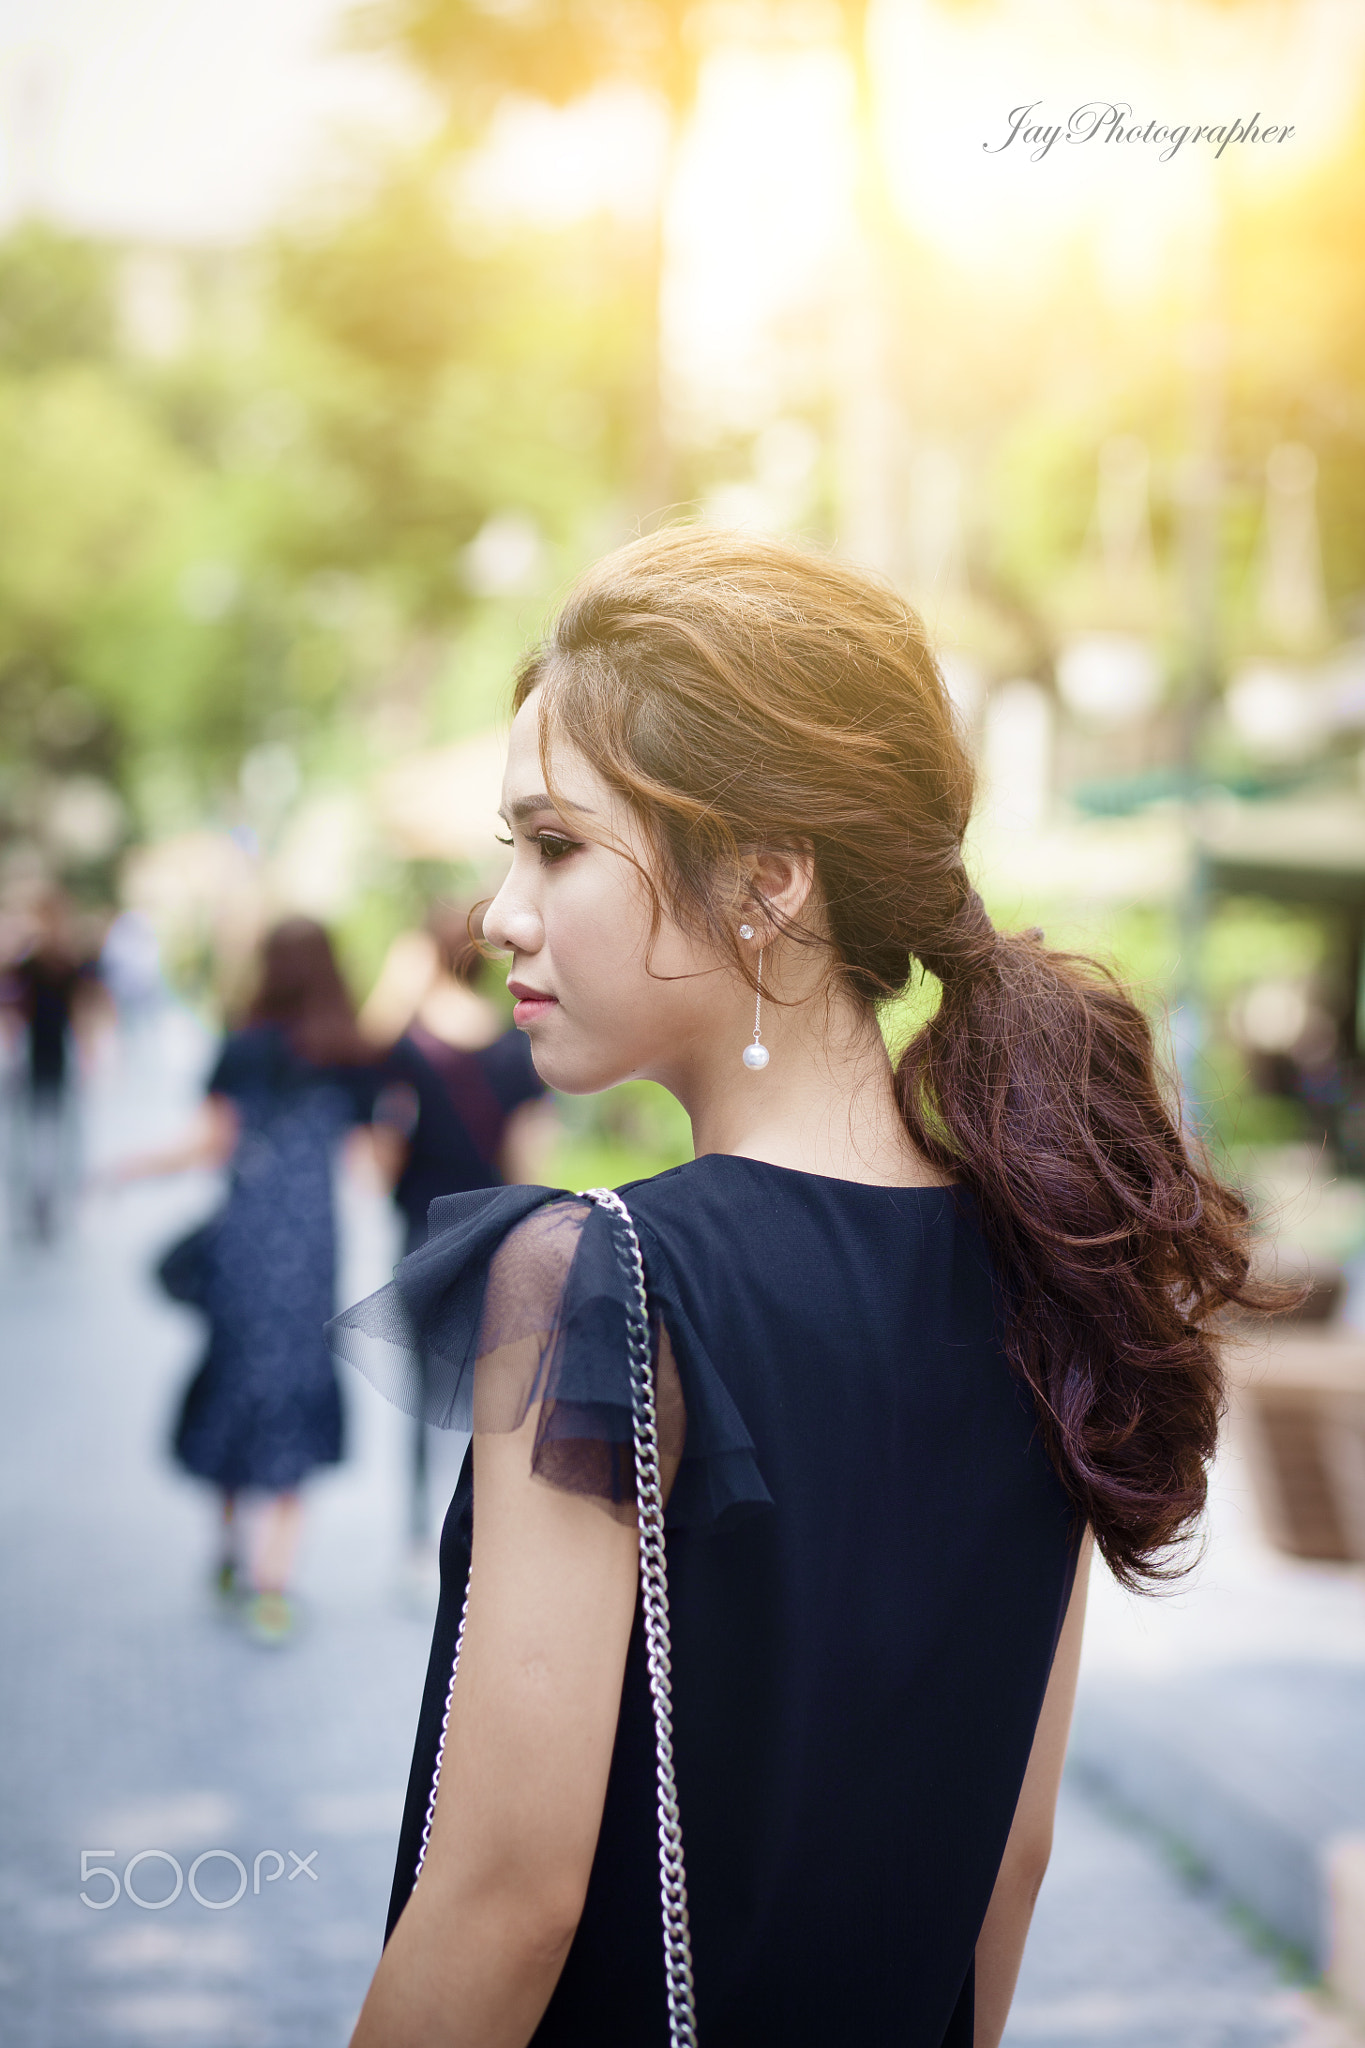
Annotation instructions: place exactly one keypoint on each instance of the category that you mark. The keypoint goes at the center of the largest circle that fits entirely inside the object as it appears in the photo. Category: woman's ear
(778, 883)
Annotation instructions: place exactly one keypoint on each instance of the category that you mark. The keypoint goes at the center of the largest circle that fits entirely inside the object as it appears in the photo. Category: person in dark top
(54, 991)
(459, 1121)
(925, 1334)
(461, 1105)
(264, 1409)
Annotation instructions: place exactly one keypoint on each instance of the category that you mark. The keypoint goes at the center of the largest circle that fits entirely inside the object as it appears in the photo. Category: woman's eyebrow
(527, 806)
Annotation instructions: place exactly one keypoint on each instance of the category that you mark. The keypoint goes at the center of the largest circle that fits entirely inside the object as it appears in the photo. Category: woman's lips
(530, 1004)
(529, 1008)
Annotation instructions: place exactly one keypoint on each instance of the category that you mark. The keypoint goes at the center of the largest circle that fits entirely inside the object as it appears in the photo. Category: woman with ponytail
(921, 1334)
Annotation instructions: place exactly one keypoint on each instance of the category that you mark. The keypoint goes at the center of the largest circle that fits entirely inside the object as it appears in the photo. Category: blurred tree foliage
(1296, 314)
(558, 50)
(247, 542)
(56, 299)
(262, 533)
(1028, 400)
(474, 56)
(444, 381)
(91, 492)
(555, 50)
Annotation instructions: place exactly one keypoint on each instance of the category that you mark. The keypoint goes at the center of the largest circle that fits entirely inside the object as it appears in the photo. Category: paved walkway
(134, 1718)
(1231, 1711)
(135, 1721)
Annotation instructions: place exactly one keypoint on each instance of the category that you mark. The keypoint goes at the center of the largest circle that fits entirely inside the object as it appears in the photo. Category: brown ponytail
(1036, 1082)
(742, 692)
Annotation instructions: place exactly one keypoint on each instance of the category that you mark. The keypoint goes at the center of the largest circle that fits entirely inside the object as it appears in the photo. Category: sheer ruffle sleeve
(518, 1300)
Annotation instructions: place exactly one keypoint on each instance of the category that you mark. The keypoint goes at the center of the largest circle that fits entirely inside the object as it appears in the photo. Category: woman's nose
(510, 922)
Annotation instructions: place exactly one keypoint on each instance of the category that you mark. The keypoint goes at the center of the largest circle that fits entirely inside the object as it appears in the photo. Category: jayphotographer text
(1112, 121)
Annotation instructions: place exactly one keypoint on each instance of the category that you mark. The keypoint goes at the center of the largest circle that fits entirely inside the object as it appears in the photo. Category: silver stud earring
(755, 1056)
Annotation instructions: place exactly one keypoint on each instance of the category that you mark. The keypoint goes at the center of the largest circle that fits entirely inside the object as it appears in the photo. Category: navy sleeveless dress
(264, 1409)
(869, 1558)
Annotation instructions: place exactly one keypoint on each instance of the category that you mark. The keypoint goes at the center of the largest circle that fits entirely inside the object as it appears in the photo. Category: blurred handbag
(185, 1271)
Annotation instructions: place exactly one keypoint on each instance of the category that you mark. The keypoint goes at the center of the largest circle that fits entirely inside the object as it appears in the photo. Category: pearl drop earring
(755, 1056)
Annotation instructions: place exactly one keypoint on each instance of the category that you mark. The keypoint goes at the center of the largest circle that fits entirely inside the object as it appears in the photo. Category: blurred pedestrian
(52, 989)
(462, 1105)
(263, 1410)
(130, 964)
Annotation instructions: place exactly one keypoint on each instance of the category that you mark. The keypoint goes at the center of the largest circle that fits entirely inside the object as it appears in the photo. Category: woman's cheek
(597, 929)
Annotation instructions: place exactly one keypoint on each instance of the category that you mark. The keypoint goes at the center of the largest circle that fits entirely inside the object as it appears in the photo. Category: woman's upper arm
(533, 1722)
(1033, 1816)
(478, 1949)
(221, 1125)
(1005, 1928)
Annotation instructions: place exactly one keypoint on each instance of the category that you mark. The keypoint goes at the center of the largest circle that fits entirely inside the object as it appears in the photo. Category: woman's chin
(574, 1071)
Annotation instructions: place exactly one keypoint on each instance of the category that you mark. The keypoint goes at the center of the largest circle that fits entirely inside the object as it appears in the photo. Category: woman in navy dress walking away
(264, 1409)
(920, 1336)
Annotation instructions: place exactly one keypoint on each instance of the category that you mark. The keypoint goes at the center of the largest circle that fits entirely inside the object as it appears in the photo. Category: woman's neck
(825, 1103)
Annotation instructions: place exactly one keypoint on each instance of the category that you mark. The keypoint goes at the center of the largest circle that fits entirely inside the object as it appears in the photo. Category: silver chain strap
(425, 1843)
(649, 1506)
(678, 1982)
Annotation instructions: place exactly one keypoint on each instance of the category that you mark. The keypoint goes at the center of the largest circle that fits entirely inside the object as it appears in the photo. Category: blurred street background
(333, 340)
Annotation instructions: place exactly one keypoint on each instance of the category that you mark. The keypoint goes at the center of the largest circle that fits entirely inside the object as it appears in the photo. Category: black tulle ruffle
(519, 1298)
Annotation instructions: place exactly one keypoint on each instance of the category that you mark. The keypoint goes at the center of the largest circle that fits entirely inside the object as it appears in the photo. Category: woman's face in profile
(598, 1002)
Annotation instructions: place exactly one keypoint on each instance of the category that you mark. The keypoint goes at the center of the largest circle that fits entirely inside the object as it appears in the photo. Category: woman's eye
(552, 847)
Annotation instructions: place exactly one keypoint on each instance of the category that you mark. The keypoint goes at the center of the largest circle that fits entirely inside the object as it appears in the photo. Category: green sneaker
(229, 1591)
(269, 1618)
